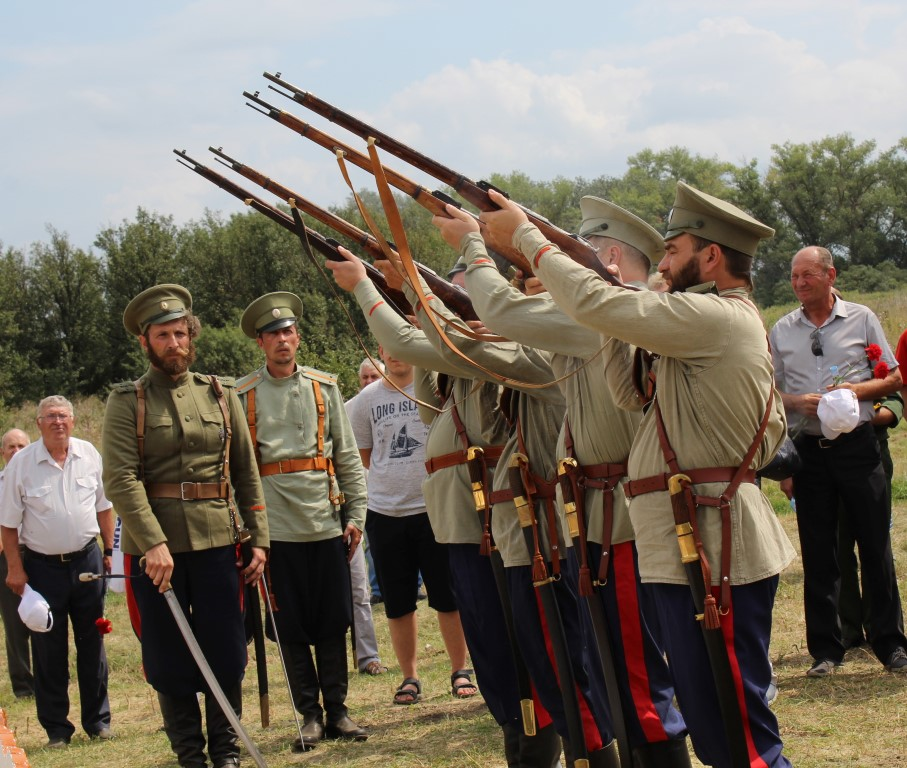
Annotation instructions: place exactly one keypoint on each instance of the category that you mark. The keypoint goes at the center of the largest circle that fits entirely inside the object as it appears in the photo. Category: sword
(195, 649)
(258, 635)
(102, 576)
(475, 463)
(545, 590)
(682, 503)
(269, 609)
(574, 505)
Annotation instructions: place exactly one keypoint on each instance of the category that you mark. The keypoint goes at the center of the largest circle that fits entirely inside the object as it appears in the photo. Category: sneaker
(105, 734)
(897, 662)
(822, 668)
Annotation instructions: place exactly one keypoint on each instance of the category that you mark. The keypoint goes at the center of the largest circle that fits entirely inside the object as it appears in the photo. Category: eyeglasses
(816, 345)
(56, 417)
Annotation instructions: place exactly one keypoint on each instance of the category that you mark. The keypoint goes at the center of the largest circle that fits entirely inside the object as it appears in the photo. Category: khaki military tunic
(184, 442)
(447, 492)
(602, 432)
(714, 378)
(540, 411)
(286, 419)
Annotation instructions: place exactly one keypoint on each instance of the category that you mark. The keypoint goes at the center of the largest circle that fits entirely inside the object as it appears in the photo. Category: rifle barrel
(452, 295)
(325, 247)
(475, 192)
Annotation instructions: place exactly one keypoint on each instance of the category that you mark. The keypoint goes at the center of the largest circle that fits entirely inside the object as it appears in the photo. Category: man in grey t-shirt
(391, 439)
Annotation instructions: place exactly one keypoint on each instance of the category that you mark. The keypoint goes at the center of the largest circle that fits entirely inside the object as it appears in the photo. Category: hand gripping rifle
(475, 192)
(325, 246)
(452, 295)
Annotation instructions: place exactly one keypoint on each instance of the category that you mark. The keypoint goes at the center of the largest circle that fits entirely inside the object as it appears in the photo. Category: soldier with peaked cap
(314, 486)
(715, 391)
(597, 435)
(179, 467)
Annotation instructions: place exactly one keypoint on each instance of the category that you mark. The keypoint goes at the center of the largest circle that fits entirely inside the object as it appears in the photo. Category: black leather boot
(333, 678)
(183, 726)
(672, 753)
(540, 751)
(606, 757)
(223, 744)
(312, 732)
(303, 680)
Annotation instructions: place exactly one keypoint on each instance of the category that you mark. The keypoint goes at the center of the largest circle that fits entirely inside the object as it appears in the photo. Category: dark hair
(739, 264)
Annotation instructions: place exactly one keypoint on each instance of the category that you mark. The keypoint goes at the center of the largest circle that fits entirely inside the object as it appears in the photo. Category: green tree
(19, 374)
(137, 255)
(70, 343)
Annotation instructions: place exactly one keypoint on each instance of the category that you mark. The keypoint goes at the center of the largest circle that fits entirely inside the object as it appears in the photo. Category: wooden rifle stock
(452, 295)
(325, 246)
(475, 192)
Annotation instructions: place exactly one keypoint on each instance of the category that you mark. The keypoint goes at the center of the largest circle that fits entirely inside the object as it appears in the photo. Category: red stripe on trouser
(542, 715)
(590, 727)
(727, 631)
(631, 637)
(135, 618)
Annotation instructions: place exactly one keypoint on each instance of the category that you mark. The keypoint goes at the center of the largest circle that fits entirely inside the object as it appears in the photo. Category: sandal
(409, 692)
(373, 668)
(462, 690)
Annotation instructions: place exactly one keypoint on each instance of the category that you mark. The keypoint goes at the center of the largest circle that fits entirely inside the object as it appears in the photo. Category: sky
(94, 96)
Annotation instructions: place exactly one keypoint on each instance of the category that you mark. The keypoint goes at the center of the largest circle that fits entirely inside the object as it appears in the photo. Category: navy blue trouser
(207, 585)
(646, 689)
(482, 617)
(535, 645)
(747, 629)
(81, 603)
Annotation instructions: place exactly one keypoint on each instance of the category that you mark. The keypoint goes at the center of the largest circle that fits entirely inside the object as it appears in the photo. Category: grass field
(856, 718)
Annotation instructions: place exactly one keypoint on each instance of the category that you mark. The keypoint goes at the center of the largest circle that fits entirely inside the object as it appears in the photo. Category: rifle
(475, 192)
(452, 295)
(434, 202)
(327, 247)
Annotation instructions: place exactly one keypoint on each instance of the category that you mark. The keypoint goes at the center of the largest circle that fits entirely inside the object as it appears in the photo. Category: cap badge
(164, 305)
(275, 312)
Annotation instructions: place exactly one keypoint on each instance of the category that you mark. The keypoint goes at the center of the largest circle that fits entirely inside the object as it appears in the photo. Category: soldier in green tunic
(314, 485)
(179, 468)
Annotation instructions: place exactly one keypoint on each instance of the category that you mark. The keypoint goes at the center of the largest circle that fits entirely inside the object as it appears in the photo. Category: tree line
(61, 307)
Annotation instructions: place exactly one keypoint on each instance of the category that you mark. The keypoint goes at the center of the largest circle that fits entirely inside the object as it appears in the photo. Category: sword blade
(196, 651)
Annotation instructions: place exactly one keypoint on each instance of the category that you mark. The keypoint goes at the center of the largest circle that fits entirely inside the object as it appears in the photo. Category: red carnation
(881, 370)
(104, 626)
(874, 352)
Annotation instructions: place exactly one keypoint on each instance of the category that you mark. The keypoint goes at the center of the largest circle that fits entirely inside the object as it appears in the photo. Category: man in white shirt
(53, 505)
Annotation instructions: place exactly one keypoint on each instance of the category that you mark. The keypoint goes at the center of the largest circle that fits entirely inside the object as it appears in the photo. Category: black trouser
(18, 654)
(82, 603)
(846, 470)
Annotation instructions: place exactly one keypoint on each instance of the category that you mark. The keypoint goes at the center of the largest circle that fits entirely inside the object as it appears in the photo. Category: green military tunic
(299, 506)
(447, 492)
(539, 409)
(602, 432)
(184, 442)
(714, 378)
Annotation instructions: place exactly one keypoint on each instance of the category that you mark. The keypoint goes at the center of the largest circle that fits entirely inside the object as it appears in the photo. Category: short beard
(688, 276)
(173, 366)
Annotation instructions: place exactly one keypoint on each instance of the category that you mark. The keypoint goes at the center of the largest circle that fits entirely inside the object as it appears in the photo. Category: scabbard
(475, 462)
(253, 609)
(544, 587)
(573, 508)
(683, 505)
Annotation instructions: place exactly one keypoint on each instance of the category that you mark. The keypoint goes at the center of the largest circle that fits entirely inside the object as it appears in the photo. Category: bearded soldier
(174, 443)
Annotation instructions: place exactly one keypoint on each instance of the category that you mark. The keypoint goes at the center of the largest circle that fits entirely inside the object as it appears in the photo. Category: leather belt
(492, 454)
(655, 483)
(288, 466)
(188, 491)
(66, 556)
